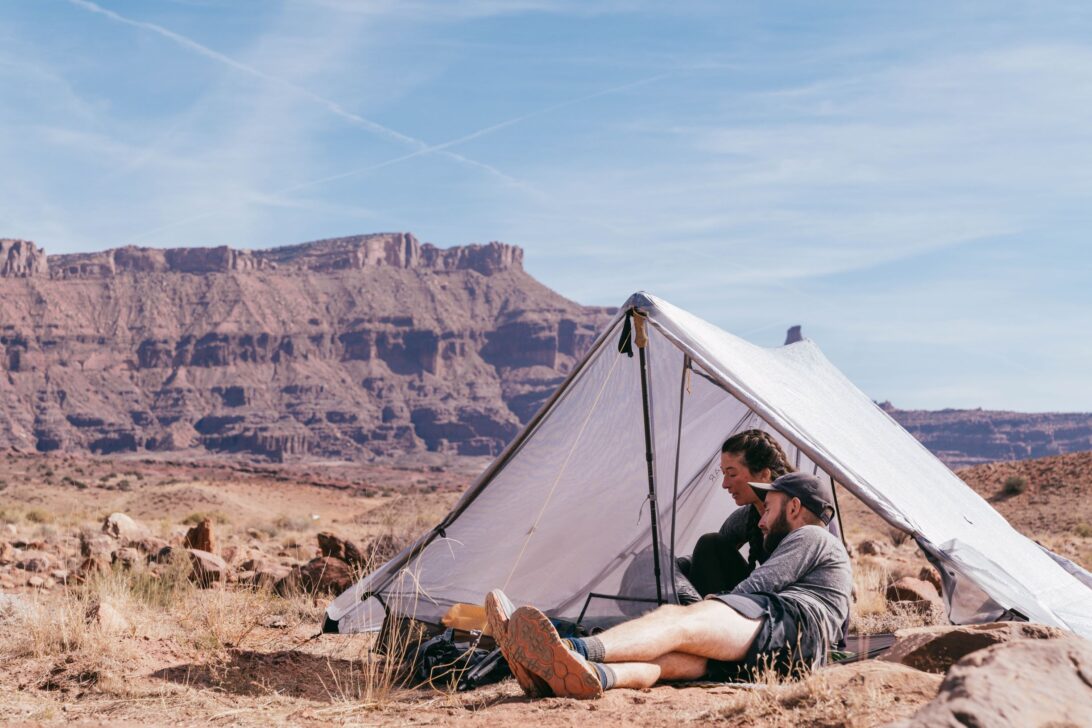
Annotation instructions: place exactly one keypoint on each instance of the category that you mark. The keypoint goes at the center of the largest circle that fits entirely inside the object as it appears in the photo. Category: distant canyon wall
(348, 348)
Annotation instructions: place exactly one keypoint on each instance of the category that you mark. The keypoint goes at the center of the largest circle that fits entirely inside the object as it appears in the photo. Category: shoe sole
(535, 644)
(498, 610)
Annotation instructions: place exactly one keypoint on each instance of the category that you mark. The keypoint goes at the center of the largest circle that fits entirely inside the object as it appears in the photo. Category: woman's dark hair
(759, 451)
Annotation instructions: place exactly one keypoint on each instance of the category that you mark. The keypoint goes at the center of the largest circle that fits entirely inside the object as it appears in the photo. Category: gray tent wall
(565, 511)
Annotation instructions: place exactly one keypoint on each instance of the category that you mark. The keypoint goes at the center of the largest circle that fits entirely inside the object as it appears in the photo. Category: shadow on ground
(289, 672)
(296, 674)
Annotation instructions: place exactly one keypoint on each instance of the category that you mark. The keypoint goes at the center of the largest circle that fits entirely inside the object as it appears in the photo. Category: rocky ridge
(963, 438)
(345, 348)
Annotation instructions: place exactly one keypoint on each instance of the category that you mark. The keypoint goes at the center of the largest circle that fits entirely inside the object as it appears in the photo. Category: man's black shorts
(787, 642)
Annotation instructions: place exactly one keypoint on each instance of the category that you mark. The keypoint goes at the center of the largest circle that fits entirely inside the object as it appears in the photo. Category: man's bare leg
(708, 629)
(672, 666)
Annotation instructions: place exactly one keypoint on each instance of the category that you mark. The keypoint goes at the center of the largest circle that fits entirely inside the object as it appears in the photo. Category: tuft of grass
(37, 515)
(1083, 530)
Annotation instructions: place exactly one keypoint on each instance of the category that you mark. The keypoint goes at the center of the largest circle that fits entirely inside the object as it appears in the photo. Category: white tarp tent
(618, 473)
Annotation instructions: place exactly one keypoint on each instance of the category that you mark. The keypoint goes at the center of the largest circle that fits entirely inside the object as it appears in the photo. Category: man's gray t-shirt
(809, 568)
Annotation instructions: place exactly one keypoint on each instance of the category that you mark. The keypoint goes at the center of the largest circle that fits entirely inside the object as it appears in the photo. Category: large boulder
(200, 537)
(124, 528)
(1023, 683)
(935, 649)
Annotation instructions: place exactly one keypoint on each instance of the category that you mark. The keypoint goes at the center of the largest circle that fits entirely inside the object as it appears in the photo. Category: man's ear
(796, 506)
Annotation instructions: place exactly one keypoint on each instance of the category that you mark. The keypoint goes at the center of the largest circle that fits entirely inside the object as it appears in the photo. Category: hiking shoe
(535, 644)
(498, 610)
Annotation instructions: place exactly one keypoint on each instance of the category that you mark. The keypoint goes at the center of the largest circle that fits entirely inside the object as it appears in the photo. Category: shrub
(37, 515)
(1083, 530)
(1014, 485)
(197, 516)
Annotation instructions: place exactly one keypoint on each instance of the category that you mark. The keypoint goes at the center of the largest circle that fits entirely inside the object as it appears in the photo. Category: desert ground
(120, 626)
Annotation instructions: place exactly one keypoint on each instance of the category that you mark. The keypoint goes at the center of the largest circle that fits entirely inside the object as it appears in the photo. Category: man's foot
(535, 644)
(498, 610)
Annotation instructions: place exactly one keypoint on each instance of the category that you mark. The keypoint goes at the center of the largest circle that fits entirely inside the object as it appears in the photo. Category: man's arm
(793, 557)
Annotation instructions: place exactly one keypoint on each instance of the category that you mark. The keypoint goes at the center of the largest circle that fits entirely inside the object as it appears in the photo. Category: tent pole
(675, 490)
(837, 509)
(653, 508)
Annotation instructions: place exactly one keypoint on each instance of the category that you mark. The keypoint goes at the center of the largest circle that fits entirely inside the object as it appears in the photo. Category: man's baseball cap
(814, 494)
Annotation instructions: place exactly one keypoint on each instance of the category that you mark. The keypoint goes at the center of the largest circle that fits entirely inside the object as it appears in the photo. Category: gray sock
(595, 650)
(590, 648)
(607, 677)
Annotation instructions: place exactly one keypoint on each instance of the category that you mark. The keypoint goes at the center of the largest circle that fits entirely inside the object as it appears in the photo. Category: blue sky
(909, 181)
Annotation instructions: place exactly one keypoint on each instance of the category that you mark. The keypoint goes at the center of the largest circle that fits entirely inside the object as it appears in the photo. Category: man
(784, 616)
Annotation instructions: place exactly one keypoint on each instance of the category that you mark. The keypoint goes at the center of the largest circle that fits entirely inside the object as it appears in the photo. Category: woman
(717, 566)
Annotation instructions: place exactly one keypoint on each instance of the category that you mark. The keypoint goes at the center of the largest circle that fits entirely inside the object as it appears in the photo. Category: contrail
(331, 106)
(474, 134)
(436, 148)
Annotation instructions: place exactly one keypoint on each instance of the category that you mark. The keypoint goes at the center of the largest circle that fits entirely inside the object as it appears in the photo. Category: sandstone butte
(347, 348)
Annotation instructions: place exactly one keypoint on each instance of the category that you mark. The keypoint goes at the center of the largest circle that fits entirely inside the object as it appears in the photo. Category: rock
(162, 556)
(326, 575)
(7, 553)
(96, 544)
(1022, 683)
(207, 568)
(60, 575)
(200, 537)
(128, 558)
(37, 582)
(22, 259)
(270, 575)
(34, 560)
(124, 528)
(339, 548)
(929, 574)
(106, 617)
(935, 649)
(151, 545)
(90, 567)
(383, 548)
(870, 547)
(289, 584)
(11, 530)
(909, 589)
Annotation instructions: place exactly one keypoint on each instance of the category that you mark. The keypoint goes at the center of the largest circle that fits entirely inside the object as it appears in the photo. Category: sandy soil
(232, 655)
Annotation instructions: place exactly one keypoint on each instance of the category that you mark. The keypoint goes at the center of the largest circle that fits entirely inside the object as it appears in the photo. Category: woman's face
(736, 477)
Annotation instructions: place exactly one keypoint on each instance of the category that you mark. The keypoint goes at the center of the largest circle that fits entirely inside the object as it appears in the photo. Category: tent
(583, 512)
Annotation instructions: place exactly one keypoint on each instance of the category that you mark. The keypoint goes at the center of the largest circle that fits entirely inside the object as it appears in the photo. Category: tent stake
(642, 343)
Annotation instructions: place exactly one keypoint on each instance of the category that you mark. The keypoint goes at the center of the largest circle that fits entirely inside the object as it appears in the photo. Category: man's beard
(777, 531)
